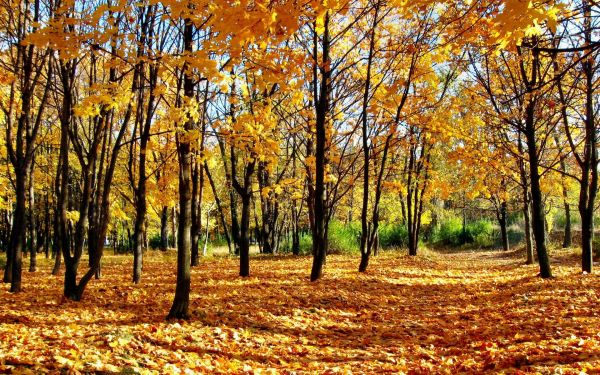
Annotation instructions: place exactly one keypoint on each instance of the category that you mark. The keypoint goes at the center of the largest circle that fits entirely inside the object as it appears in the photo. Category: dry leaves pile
(447, 314)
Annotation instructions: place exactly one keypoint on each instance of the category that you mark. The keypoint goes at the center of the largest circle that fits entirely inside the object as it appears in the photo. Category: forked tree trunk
(537, 203)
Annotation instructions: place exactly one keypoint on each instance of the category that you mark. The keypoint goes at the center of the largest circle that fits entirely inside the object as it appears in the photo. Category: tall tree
(179, 309)
(24, 117)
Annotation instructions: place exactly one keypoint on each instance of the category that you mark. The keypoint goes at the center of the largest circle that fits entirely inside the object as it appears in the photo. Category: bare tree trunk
(322, 113)
(589, 164)
(179, 309)
(502, 220)
(164, 228)
(33, 243)
(196, 214)
(219, 207)
(365, 235)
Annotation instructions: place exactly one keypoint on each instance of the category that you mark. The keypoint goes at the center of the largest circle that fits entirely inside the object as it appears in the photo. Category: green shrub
(452, 233)
(449, 233)
(393, 236)
(218, 240)
(480, 233)
(344, 238)
(515, 236)
(305, 244)
(154, 241)
(560, 219)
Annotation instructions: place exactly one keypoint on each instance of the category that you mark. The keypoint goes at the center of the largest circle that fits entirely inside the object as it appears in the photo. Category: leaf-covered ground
(477, 312)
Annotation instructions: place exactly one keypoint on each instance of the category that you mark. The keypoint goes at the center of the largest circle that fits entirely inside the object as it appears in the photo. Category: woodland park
(299, 187)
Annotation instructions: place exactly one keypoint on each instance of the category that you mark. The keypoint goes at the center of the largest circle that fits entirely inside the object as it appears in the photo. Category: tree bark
(196, 214)
(537, 203)
(322, 113)
(144, 122)
(244, 236)
(503, 226)
(33, 240)
(179, 308)
(245, 192)
(365, 249)
(19, 228)
(164, 228)
(568, 236)
(589, 165)
(219, 207)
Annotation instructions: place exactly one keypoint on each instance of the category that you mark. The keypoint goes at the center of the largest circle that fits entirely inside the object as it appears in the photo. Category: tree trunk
(144, 119)
(364, 262)
(295, 239)
(537, 203)
(19, 228)
(164, 228)
(233, 207)
(529, 131)
(568, 236)
(526, 207)
(322, 113)
(219, 207)
(9, 257)
(174, 230)
(416, 185)
(589, 164)
(140, 217)
(205, 247)
(56, 245)
(179, 309)
(503, 229)
(245, 235)
(365, 235)
(245, 192)
(70, 284)
(33, 243)
(196, 214)
(47, 220)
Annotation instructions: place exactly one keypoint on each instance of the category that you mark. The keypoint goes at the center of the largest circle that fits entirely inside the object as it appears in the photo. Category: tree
(24, 115)
(179, 309)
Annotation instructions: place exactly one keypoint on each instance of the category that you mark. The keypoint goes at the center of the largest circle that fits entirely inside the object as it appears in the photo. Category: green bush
(218, 240)
(305, 244)
(449, 233)
(393, 236)
(515, 236)
(560, 219)
(154, 241)
(452, 233)
(480, 233)
(344, 238)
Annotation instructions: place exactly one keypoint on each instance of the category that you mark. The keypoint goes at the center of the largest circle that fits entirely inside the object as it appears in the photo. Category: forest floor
(467, 312)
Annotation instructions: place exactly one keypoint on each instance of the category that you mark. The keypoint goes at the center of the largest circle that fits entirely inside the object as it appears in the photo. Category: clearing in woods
(470, 312)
